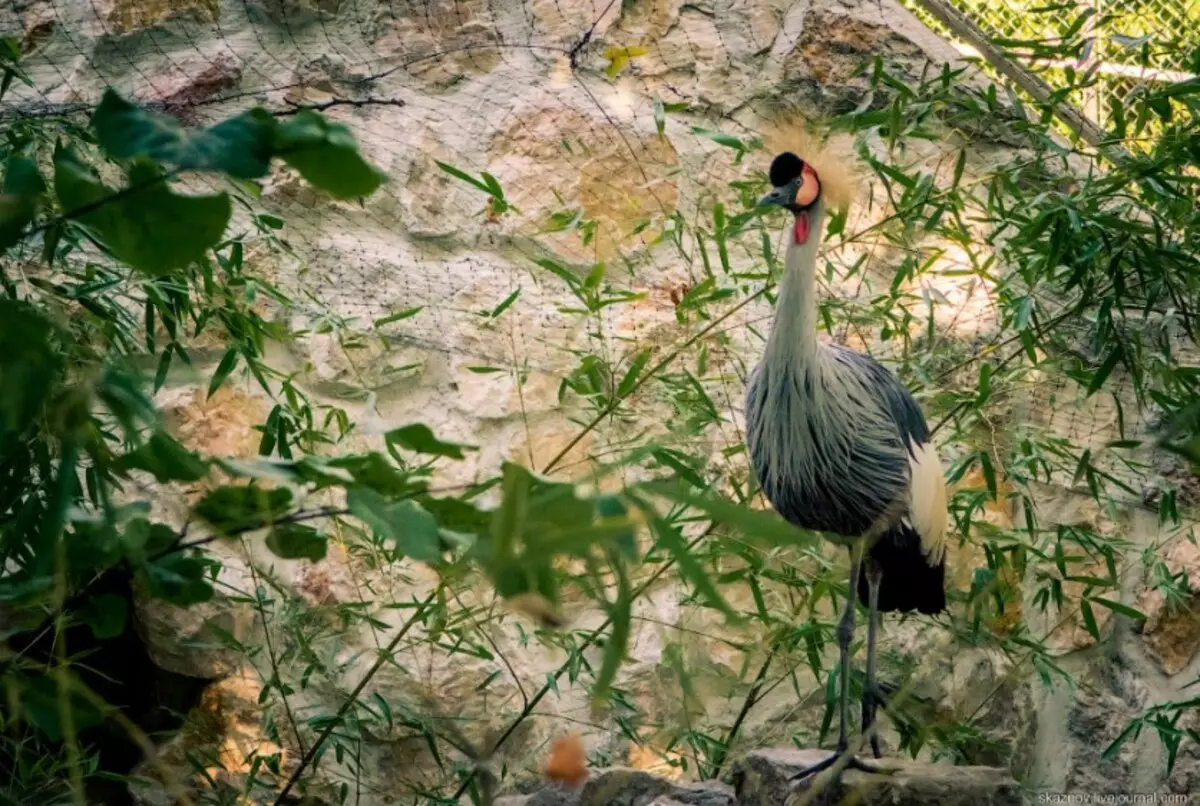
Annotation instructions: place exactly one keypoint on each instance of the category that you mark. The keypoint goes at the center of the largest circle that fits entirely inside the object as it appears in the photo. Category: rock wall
(517, 89)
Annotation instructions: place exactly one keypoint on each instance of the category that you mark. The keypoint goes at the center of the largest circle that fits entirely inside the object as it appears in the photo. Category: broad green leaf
(20, 196)
(147, 226)
(375, 471)
(296, 541)
(670, 459)
(419, 438)
(41, 702)
(233, 510)
(405, 523)
(610, 506)
(508, 522)
(105, 614)
(618, 638)
(29, 364)
(633, 373)
(179, 579)
(326, 154)
(727, 140)
(166, 459)
(1101, 375)
(240, 146)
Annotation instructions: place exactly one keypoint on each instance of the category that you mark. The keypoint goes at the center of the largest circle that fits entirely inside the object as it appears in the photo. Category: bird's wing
(927, 501)
(927, 482)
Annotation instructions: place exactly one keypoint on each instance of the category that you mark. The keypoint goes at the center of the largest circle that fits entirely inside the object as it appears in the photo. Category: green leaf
(1132, 731)
(631, 375)
(398, 316)
(1117, 607)
(406, 523)
(228, 362)
(618, 57)
(233, 510)
(673, 461)
(166, 459)
(621, 614)
(105, 614)
(41, 703)
(727, 140)
(1089, 618)
(1105, 370)
(505, 304)
(295, 541)
(508, 522)
(688, 567)
(240, 147)
(29, 364)
(466, 177)
(754, 523)
(326, 154)
(419, 438)
(179, 579)
(610, 506)
(148, 226)
(19, 198)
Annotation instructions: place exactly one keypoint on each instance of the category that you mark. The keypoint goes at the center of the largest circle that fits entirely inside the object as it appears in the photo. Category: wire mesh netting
(515, 90)
(618, 134)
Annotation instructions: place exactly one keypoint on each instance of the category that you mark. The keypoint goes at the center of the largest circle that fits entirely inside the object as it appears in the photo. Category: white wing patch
(927, 501)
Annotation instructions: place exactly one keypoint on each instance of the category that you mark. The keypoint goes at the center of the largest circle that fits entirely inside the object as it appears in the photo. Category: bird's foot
(872, 698)
(851, 763)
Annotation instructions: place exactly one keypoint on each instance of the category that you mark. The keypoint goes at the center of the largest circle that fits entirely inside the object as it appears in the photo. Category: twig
(294, 107)
(384, 655)
(750, 702)
(553, 680)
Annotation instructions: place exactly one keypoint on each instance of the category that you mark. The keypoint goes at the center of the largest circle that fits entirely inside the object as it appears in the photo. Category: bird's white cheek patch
(800, 230)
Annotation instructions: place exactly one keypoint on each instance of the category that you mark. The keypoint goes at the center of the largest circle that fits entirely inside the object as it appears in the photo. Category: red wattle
(800, 231)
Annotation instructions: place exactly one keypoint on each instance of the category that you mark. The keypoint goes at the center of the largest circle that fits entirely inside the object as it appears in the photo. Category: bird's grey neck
(793, 339)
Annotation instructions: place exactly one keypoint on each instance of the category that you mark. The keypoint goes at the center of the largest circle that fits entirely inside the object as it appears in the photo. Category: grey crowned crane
(840, 447)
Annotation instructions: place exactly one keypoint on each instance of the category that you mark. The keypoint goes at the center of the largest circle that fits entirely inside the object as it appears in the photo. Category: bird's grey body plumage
(843, 465)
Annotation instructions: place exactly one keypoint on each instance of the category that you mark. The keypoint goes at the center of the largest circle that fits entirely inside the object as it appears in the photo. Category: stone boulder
(761, 779)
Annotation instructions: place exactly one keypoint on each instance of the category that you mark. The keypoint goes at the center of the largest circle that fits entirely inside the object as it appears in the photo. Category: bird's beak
(781, 196)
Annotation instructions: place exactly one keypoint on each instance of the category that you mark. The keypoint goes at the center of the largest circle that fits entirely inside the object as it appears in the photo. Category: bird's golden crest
(839, 181)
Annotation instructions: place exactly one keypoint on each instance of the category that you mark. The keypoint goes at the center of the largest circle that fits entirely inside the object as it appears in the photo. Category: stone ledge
(761, 779)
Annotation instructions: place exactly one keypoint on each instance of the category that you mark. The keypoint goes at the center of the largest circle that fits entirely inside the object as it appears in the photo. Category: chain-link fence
(1111, 47)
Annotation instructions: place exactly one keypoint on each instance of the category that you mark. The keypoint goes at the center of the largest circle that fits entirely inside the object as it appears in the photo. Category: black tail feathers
(909, 582)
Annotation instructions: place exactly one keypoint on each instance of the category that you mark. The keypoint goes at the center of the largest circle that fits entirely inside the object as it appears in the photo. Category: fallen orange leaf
(567, 762)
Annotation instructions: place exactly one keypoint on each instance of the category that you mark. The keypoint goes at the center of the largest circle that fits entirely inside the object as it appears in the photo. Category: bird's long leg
(845, 635)
(870, 699)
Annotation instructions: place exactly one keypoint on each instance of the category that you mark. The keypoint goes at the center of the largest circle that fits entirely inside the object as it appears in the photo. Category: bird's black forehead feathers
(785, 168)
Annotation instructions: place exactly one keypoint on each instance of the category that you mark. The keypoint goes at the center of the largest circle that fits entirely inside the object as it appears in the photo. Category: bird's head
(796, 187)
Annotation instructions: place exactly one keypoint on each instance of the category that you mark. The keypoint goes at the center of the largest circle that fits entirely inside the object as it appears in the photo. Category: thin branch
(553, 680)
(384, 655)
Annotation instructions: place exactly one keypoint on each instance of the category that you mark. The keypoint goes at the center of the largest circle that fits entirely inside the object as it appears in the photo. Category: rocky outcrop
(762, 779)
